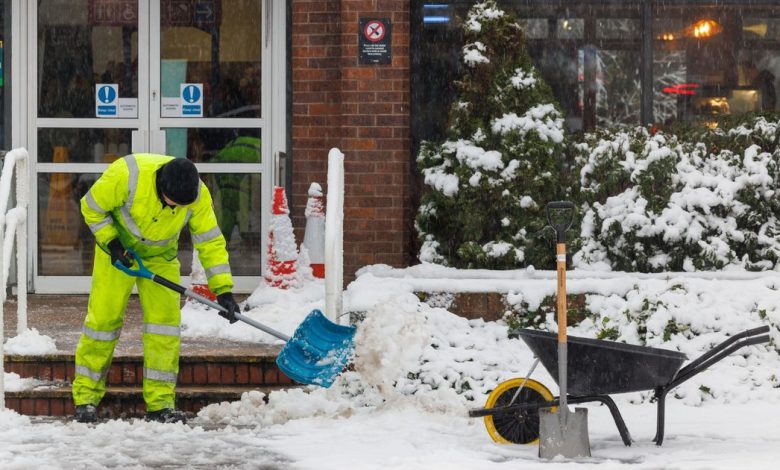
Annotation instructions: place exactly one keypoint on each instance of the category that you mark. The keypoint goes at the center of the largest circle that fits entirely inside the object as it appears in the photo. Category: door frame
(24, 73)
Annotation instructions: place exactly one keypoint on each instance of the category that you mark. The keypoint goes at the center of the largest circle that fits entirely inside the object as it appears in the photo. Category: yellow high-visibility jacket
(124, 203)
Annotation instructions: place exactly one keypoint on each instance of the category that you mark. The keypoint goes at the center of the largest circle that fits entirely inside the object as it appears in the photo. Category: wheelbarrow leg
(613, 409)
(660, 395)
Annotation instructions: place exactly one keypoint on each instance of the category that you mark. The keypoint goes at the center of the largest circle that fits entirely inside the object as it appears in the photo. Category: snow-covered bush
(660, 203)
(502, 159)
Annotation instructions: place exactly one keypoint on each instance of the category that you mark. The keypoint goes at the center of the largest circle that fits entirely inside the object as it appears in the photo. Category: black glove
(119, 253)
(227, 301)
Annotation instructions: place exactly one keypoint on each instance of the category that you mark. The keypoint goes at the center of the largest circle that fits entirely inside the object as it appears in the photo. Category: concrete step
(128, 370)
(121, 401)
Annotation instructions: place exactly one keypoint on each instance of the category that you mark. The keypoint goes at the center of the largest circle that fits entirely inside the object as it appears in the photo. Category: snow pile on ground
(30, 342)
(406, 352)
(14, 383)
(388, 340)
(342, 399)
(419, 368)
(282, 310)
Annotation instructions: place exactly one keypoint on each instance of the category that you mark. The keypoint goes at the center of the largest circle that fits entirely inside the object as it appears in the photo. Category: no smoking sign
(374, 41)
(374, 31)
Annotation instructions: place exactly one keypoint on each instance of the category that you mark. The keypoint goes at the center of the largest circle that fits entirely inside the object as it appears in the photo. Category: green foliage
(521, 316)
(502, 160)
(674, 328)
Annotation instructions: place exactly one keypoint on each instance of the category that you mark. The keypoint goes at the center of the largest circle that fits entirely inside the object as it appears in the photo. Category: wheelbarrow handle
(757, 331)
(563, 226)
(143, 272)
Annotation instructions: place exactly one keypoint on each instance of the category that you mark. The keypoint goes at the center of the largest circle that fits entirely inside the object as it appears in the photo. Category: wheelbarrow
(596, 369)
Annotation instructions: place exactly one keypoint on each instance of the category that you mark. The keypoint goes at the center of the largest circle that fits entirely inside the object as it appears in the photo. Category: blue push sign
(192, 99)
(106, 99)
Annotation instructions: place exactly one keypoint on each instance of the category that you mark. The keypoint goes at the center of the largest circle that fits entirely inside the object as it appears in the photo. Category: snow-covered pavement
(712, 437)
(397, 436)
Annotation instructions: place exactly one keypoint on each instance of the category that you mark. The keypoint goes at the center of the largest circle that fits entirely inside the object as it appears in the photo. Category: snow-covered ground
(420, 368)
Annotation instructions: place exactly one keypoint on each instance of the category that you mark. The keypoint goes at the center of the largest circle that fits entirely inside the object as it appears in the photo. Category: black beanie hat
(179, 181)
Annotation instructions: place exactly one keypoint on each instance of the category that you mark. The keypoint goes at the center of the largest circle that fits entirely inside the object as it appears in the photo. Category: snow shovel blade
(318, 351)
(563, 433)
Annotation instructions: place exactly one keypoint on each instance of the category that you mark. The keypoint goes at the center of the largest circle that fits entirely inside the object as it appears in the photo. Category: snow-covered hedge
(704, 201)
(502, 157)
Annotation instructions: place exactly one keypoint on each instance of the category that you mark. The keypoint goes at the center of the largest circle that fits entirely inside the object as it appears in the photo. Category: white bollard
(334, 236)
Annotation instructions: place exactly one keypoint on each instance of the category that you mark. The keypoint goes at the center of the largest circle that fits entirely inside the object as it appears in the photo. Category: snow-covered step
(128, 370)
(121, 401)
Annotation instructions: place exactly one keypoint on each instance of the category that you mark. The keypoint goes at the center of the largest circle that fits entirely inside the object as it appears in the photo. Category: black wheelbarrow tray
(596, 369)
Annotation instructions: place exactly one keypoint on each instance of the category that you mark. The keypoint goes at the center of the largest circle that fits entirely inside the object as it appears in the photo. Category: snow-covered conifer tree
(501, 162)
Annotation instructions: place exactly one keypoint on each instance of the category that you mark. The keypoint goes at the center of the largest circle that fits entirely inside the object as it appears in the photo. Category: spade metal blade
(563, 433)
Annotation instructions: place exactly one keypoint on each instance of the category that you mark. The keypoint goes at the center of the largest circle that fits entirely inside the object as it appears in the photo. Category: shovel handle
(560, 258)
(560, 265)
(143, 272)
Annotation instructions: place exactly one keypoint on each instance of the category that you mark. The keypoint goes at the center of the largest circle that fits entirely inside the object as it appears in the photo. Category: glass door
(209, 70)
(184, 78)
(88, 63)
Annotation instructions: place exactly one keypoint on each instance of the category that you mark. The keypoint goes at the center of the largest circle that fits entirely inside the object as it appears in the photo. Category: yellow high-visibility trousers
(108, 298)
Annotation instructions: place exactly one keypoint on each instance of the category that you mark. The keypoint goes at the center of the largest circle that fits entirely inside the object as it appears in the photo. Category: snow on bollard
(281, 270)
(314, 237)
(198, 282)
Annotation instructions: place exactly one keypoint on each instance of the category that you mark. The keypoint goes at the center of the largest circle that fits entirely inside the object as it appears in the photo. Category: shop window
(77, 50)
(570, 28)
(618, 28)
(535, 28)
(617, 86)
(589, 55)
(714, 61)
(706, 60)
(68, 145)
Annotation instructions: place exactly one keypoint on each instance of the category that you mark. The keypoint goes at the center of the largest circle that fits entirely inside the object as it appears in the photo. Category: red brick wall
(364, 111)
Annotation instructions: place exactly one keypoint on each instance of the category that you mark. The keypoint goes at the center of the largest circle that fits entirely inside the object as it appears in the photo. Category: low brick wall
(492, 306)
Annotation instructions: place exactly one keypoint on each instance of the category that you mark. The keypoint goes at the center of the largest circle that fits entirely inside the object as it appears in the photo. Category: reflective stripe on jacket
(124, 203)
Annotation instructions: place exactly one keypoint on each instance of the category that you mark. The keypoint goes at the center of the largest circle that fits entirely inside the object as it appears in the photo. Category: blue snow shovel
(315, 354)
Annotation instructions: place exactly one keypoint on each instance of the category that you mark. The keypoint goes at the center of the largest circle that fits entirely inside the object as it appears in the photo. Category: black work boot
(86, 413)
(166, 415)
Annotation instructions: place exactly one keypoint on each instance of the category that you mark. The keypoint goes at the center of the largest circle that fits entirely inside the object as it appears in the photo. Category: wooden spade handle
(560, 250)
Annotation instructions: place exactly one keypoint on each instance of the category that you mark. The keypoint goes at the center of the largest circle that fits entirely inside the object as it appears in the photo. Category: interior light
(705, 29)
(757, 29)
(436, 13)
(682, 89)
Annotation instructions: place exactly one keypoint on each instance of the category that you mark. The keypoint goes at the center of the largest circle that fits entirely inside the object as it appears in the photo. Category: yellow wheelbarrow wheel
(521, 427)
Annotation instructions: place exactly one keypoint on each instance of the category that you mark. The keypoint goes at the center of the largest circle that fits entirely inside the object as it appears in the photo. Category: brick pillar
(363, 110)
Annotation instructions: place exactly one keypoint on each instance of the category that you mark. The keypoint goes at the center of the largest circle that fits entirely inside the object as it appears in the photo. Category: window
(714, 60)
(705, 60)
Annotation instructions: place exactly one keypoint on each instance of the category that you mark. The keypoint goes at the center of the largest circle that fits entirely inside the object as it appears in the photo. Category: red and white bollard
(314, 237)
(198, 282)
(281, 269)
